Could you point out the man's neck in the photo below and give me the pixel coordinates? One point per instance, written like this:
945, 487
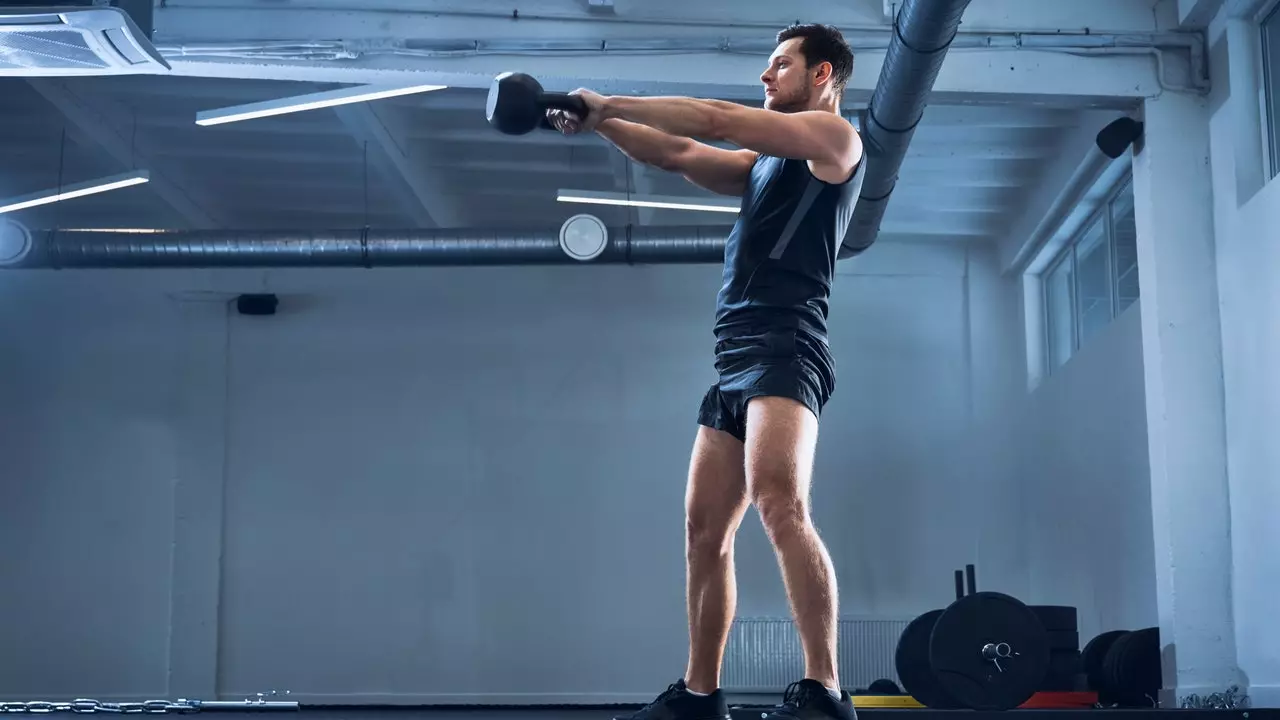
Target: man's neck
827, 105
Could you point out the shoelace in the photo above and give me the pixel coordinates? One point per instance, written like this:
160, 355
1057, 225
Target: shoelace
671, 690
797, 695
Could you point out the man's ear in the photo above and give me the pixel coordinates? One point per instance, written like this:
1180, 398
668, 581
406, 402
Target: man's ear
824, 72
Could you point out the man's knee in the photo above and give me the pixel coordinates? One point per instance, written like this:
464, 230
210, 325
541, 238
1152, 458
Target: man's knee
712, 520
710, 534
783, 510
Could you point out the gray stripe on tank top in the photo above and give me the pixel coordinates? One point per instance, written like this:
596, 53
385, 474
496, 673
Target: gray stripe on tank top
810, 194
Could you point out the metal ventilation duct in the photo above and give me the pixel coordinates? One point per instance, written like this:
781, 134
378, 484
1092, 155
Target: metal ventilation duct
923, 31
359, 248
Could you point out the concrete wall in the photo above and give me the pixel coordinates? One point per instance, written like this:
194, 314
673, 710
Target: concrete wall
1247, 227
1081, 459
451, 484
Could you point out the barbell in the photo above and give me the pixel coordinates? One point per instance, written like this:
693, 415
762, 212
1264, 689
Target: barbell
985, 651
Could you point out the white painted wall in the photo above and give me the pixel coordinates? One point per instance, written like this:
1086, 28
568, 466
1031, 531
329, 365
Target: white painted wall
1073, 447
1081, 460
451, 484
1246, 219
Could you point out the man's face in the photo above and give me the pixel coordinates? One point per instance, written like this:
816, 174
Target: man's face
787, 81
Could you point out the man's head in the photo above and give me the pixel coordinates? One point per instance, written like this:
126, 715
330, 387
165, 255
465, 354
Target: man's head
808, 70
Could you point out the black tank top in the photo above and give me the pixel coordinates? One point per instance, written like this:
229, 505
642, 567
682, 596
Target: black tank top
780, 258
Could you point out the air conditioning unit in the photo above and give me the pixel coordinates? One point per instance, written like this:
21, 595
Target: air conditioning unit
78, 37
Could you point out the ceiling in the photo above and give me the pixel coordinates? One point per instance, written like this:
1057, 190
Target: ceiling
431, 160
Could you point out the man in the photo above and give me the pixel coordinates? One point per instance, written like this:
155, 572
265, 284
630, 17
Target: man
798, 172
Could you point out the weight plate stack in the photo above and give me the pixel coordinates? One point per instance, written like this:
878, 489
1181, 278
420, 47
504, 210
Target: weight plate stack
989, 651
884, 686
911, 659
1131, 669
1064, 673
1091, 658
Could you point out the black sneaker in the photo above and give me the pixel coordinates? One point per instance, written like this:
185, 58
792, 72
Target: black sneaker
810, 700
677, 703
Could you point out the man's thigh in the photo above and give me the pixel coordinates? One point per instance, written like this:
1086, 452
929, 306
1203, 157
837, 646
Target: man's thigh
716, 494
781, 442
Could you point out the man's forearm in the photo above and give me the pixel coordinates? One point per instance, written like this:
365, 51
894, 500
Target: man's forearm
642, 144
682, 116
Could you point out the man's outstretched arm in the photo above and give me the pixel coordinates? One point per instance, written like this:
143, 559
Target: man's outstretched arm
820, 137
720, 171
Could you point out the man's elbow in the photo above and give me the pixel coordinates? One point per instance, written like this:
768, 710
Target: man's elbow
722, 126
669, 162
673, 158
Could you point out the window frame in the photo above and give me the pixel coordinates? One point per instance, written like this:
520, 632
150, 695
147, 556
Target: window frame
1068, 253
1065, 255
1125, 185
1101, 215
1270, 61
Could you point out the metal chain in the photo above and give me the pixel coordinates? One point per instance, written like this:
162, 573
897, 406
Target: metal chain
84, 705
1232, 699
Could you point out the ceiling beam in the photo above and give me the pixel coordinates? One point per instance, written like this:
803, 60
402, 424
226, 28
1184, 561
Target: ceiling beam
1197, 13
421, 193
187, 21
363, 46
96, 122
1025, 77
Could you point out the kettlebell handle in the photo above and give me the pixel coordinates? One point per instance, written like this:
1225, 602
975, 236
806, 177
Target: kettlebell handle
565, 101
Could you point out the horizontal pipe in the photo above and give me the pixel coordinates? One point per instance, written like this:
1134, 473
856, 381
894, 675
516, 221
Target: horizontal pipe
359, 248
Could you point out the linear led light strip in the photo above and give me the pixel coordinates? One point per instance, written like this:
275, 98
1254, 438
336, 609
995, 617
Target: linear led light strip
92, 187
666, 202
313, 101
122, 231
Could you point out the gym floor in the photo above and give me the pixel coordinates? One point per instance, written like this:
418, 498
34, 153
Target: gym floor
448, 713
757, 712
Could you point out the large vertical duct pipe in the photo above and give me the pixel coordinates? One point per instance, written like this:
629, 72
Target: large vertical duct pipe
923, 31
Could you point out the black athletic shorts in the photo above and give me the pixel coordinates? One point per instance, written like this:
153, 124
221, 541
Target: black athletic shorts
785, 363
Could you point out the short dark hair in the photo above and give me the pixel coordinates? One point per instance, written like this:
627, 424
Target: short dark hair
823, 43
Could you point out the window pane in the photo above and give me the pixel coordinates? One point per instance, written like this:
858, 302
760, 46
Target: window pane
1271, 77
1093, 280
1058, 306
1125, 239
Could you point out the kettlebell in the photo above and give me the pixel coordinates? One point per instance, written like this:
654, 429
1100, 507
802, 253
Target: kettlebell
517, 104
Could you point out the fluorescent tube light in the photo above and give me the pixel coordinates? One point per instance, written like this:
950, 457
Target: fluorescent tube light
123, 231
313, 101
92, 187
666, 202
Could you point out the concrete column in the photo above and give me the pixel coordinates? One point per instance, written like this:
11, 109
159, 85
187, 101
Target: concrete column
200, 421
1182, 348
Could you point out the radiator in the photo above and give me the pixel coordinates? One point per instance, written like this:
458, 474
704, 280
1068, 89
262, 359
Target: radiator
764, 654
